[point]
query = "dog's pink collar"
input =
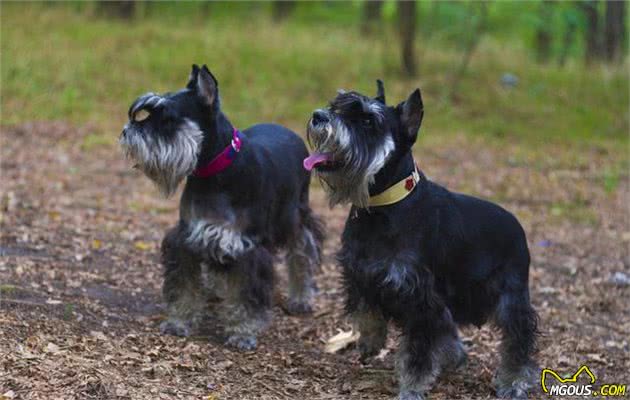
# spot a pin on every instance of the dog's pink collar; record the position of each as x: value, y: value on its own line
x: 223, y: 160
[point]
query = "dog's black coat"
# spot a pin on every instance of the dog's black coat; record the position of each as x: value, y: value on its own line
x: 266, y: 178
x: 431, y: 261
x: 231, y: 223
x: 470, y: 250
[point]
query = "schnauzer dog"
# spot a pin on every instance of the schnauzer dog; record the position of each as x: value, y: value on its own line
x: 246, y: 196
x: 417, y: 254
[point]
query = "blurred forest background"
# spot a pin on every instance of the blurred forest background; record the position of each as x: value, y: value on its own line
x: 538, y: 69
x: 526, y: 104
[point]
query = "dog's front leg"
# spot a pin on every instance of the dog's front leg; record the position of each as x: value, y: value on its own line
x: 182, y: 289
x: 428, y: 342
x: 373, y: 328
x: 247, y: 305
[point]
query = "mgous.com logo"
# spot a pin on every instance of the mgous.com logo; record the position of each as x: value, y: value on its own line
x: 555, y: 385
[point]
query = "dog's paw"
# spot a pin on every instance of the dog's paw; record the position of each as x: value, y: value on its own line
x: 514, y: 384
x: 457, y: 360
x: 515, y: 392
x: 366, y: 352
x: 175, y: 327
x: 410, y: 395
x: 299, y: 307
x: 242, y: 342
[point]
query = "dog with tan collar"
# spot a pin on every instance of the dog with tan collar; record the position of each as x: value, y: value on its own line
x: 417, y: 255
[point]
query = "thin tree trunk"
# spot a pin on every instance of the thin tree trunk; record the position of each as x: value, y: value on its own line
x: 407, y: 22
x: 371, y: 15
x: 615, y: 29
x: 593, y: 32
x: 124, y: 9
x: 543, y: 34
x: 205, y: 7
x: 282, y: 9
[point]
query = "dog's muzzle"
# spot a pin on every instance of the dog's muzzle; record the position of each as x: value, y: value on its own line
x: 319, y: 118
x: 320, y: 136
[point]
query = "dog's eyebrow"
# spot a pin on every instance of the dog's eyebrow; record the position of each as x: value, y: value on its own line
x: 146, y: 101
x: 343, y: 103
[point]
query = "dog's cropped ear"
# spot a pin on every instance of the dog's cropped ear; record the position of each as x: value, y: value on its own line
x: 192, y: 78
x: 411, y: 112
x: 380, y: 91
x: 207, y: 86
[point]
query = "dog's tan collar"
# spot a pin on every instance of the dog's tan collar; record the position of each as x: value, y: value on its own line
x: 397, y: 192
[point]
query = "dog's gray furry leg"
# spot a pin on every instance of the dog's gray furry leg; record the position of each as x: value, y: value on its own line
x: 182, y: 288
x: 373, y: 328
x: 247, y: 307
x: 518, y: 323
x: 413, y: 381
x: 303, y: 259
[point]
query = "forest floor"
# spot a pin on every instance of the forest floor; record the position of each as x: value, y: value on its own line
x: 80, y: 280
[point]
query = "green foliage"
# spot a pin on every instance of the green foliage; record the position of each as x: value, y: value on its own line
x: 61, y: 61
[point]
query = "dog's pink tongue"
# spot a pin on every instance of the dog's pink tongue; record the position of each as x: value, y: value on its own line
x: 316, y: 158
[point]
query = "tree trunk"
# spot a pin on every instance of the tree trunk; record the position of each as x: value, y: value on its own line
x: 543, y: 34
x: 593, y: 37
x: 282, y: 9
x: 124, y: 9
x: 371, y: 15
x: 615, y: 29
x: 407, y: 22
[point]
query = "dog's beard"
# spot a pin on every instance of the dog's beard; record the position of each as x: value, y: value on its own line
x: 350, y: 182
x: 166, y: 163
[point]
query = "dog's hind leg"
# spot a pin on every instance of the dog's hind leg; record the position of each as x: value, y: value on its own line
x: 182, y: 288
x: 247, y: 306
x: 518, y: 323
x: 303, y: 259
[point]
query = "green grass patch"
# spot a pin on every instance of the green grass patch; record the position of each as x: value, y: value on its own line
x: 8, y: 290
x: 577, y: 211
x: 68, y: 311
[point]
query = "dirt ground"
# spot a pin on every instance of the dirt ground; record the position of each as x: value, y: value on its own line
x: 80, y: 280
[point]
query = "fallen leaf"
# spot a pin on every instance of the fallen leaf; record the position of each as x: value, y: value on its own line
x: 140, y: 245
x: 8, y: 395
x: 382, y: 354
x: 52, y: 348
x: 341, y: 340
x: 99, y: 335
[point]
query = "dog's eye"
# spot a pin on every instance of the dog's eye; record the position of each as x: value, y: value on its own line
x: 141, y: 115
x: 367, y: 122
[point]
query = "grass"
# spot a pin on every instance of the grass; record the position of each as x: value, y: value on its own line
x: 59, y: 62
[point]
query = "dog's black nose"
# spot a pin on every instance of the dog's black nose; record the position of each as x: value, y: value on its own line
x: 319, y: 117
